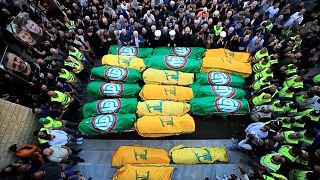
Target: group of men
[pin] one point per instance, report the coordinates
(284, 137)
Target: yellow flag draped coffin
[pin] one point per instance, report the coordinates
(237, 56)
(168, 77)
(223, 60)
(161, 126)
(124, 61)
(161, 107)
(166, 92)
(198, 155)
(139, 155)
(220, 64)
(144, 172)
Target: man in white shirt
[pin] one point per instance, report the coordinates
(137, 40)
(258, 129)
(314, 104)
(56, 137)
(273, 10)
(255, 44)
(148, 15)
(60, 153)
(295, 19)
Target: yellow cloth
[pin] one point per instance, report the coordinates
(124, 61)
(144, 172)
(160, 107)
(161, 126)
(139, 155)
(166, 92)
(169, 77)
(218, 64)
(225, 53)
(197, 155)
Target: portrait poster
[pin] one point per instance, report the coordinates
(26, 30)
(13, 63)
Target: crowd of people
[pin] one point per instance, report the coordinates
(284, 137)
(281, 35)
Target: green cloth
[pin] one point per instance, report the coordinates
(192, 52)
(225, 106)
(219, 79)
(110, 106)
(169, 62)
(130, 51)
(218, 91)
(316, 79)
(113, 73)
(102, 89)
(109, 123)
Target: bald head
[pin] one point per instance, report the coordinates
(47, 152)
(153, 28)
(135, 33)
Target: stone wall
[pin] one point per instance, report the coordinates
(16, 126)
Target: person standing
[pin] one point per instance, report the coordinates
(137, 40)
(273, 10)
(294, 20)
(124, 38)
(60, 153)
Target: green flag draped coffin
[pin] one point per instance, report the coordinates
(170, 62)
(109, 123)
(113, 73)
(130, 51)
(188, 52)
(219, 79)
(219, 105)
(103, 89)
(219, 91)
(110, 106)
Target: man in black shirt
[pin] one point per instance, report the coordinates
(53, 171)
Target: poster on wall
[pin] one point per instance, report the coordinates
(26, 30)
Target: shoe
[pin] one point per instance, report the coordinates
(79, 142)
(77, 151)
(81, 160)
(80, 139)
